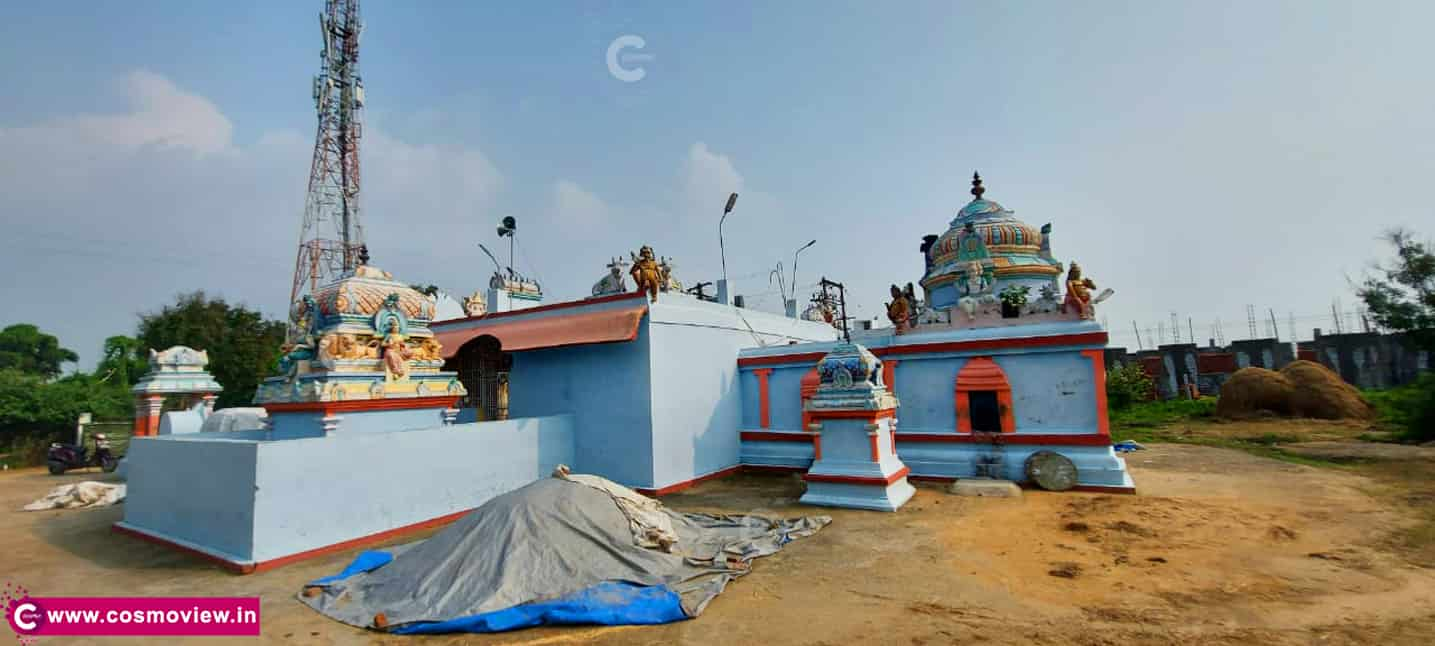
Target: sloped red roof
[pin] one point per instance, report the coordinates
(558, 330)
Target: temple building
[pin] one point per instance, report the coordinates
(384, 420)
(991, 368)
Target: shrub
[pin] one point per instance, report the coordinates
(1127, 385)
(1410, 409)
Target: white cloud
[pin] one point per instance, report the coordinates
(575, 206)
(707, 174)
(162, 116)
(107, 215)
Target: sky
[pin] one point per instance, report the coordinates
(1196, 157)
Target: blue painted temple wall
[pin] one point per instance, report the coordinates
(606, 388)
(1053, 387)
(248, 500)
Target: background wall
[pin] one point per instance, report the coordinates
(697, 404)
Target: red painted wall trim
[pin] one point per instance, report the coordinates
(869, 415)
(1028, 485)
(771, 468)
(261, 566)
(350, 405)
(1084, 338)
(897, 475)
(1049, 439)
(1098, 380)
(674, 488)
(541, 308)
(775, 436)
(805, 357)
(763, 408)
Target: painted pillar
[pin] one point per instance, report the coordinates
(763, 406)
(147, 413)
(1098, 380)
(853, 414)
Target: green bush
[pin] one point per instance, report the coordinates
(1409, 409)
(1127, 385)
(1160, 413)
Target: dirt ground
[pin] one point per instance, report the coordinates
(1218, 547)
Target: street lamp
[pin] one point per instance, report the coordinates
(794, 267)
(731, 202)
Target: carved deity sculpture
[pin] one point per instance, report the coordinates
(428, 350)
(646, 273)
(899, 311)
(396, 353)
(613, 282)
(976, 278)
(474, 304)
(665, 276)
(346, 346)
(1078, 293)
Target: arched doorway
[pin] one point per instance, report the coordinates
(482, 368)
(984, 398)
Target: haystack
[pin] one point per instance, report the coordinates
(1322, 394)
(1253, 391)
(1300, 389)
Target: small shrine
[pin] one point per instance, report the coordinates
(853, 414)
(998, 363)
(362, 338)
(176, 372)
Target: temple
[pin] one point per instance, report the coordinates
(1000, 361)
(383, 420)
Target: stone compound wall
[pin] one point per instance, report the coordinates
(1365, 360)
(1369, 360)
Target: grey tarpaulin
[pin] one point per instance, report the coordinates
(547, 540)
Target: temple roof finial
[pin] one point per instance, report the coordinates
(977, 188)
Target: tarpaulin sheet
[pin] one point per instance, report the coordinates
(552, 552)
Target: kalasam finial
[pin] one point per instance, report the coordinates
(977, 188)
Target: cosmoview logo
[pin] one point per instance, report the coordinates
(618, 58)
(25, 616)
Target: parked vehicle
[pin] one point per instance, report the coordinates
(63, 457)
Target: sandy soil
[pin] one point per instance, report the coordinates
(1219, 547)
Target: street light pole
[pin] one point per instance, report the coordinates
(794, 269)
(731, 202)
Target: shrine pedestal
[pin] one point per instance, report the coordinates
(856, 463)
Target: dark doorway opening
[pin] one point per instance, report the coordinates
(482, 368)
(985, 412)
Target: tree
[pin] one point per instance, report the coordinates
(430, 291)
(25, 348)
(1402, 298)
(243, 346)
(123, 362)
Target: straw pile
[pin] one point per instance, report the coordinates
(1300, 389)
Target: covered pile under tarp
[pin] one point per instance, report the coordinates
(556, 551)
(80, 495)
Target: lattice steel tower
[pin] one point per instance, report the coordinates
(331, 239)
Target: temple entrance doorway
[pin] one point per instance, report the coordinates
(985, 411)
(482, 368)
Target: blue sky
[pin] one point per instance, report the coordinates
(1195, 157)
